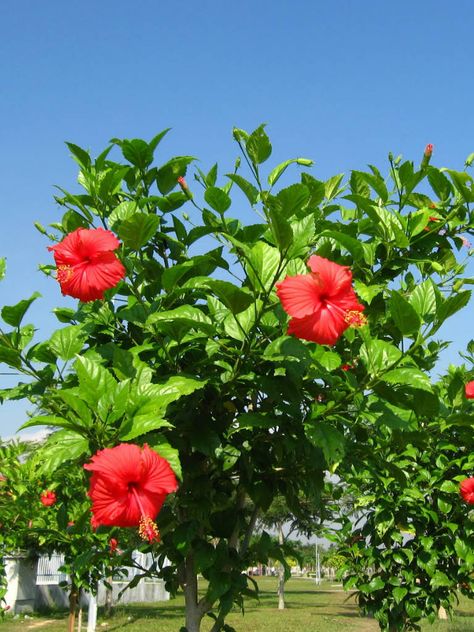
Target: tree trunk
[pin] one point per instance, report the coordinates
(108, 599)
(79, 619)
(73, 598)
(194, 612)
(281, 573)
(442, 614)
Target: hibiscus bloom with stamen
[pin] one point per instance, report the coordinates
(86, 263)
(128, 487)
(322, 304)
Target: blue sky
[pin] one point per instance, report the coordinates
(341, 82)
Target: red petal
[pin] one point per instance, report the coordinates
(324, 328)
(97, 240)
(333, 278)
(469, 390)
(299, 295)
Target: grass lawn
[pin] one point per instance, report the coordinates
(309, 609)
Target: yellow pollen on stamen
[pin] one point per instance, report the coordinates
(355, 318)
(148, 529)
(64, 273)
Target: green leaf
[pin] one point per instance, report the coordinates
(423, 299)
(440, 579)
(46, 420)
(378, 355)
(64, 314)
(439, 183)
(278, 171)
(452, 305)
(398, 593)
(138, 230)
(463, 550)
(261, 265)
(140, 425)
(137, 152)
(332, 186)
(13, 314)
(292, 200)
(94, 380)
(60, 447)
(408, 375)
(367, 292)
(185, 315)
(67, 342)
(329, 439)
(167, 175)
(81, 156)
(3, 267)
(245, 186)
(258, 146)
(404, 314)
(280, 227)
(10, 356)
(122, 212)
(172, 389)
(217, 199)
(348, 243)
(234, 298)
(376, 583)
(164, 449)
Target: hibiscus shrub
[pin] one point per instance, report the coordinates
(181, 346)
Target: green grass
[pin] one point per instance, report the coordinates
(309, 609)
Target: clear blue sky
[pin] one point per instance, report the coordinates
(342, 82)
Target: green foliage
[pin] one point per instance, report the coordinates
(189, 354)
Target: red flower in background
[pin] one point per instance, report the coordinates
(322, 304)
(86, 263)
(128, 487)
(48, 498)
(113, 544)
(466, 489)
(469, 390)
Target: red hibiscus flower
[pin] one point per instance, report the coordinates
(86, 263)
(113, 544)
(469, 390)
(322, 304)
(48, 498)
(128, 487)
(466, 489)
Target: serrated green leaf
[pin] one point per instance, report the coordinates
(217, 199)
(410, 376)
(137, 152)
(164, 449)
(245, 186)
(404, 314)
(60, 447)
(329, 439)
(378, 355)
(258, 146)
(140, 425)
(399, 592)
(67, 342)
(167, 175)
(13, 314)
(136, 231)
(423, 299)
(261, 265)
(278, 171)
